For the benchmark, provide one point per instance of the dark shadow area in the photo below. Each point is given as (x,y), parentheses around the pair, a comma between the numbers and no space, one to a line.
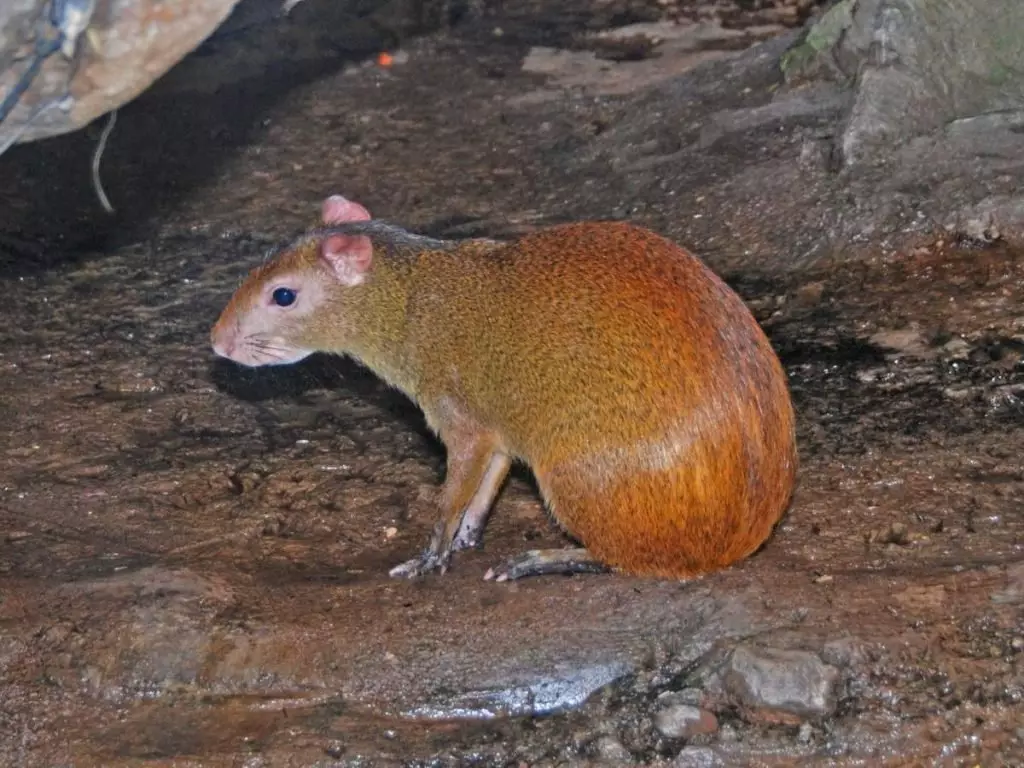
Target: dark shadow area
(851,352)
(852,396)
(278,572)
(106,554)
(186,128)
(320,371)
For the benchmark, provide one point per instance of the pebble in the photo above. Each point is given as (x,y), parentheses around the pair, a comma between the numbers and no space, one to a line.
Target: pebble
(843,652)
(610,750)
(809,294)
(698,757)
(683,721)
(781,685)
(805,734)
(692,696)
(727,734)
(901,341)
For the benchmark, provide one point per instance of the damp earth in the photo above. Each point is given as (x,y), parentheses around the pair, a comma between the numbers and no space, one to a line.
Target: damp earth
(194,557)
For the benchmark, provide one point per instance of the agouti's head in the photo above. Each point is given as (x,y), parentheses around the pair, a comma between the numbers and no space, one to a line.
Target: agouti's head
(270,318)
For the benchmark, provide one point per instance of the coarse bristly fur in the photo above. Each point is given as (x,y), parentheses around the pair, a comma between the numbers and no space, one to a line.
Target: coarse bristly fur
(636,385)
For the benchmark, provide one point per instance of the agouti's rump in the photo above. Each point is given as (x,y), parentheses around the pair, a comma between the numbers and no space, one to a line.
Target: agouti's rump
(634,383)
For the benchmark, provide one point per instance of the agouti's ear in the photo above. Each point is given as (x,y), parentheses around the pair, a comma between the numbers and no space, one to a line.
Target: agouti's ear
(349,257)
(337,210)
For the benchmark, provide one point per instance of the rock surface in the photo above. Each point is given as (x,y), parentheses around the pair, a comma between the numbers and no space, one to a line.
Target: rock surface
(612,751)
(954,59)
(772,684)
(783,684)
(126,47)
(682,721)
(918,66)
(699,757)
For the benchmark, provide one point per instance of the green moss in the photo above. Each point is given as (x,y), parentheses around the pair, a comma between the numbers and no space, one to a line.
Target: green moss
(830,27)
(822,36)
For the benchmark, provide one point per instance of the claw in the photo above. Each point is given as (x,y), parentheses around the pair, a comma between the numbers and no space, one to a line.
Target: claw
(463,541)
(538,562)
(420,566)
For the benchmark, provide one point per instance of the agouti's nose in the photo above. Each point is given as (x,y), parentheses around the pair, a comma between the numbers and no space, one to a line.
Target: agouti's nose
(223,341)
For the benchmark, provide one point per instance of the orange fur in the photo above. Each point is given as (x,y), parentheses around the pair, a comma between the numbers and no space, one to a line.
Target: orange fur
(635,384)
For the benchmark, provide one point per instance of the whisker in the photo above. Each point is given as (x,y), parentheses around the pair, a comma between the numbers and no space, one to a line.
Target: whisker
(268,348)
(262,342)
(266,354)
(264,349)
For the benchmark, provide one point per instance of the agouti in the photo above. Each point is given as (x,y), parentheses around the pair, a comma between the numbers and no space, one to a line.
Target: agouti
(635,384)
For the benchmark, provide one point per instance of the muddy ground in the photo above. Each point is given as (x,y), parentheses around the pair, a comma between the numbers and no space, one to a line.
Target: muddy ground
(193,558)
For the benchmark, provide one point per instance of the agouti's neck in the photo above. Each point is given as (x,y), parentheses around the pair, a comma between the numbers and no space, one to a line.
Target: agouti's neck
(377,313)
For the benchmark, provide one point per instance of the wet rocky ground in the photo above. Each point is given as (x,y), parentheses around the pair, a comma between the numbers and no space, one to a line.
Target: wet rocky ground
(193,557)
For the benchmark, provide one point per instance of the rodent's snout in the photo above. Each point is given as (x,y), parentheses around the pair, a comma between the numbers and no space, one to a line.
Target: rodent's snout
(222,339)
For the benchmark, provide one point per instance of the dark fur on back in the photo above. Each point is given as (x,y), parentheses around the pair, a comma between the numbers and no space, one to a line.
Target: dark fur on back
(382,233)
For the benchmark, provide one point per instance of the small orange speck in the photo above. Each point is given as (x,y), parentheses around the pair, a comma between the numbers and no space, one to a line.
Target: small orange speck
(385,59)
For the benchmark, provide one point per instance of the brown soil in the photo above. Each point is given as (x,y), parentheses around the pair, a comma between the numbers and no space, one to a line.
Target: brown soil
(193,558)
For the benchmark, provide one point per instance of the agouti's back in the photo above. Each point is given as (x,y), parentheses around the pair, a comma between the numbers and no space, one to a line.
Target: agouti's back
(634,382)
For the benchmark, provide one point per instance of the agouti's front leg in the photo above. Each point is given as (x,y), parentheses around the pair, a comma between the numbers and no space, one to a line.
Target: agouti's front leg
(476,470)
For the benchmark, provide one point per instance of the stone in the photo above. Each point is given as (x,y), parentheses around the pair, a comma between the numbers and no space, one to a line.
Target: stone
(820,39)
(1013,592)
(953,59)
(916,65)
(780,685)
(691,696)
(699,757)
(120,54)
(843,652)
(611,751)
(682,721)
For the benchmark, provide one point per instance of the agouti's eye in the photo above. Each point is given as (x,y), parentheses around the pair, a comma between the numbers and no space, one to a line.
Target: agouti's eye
(284,297)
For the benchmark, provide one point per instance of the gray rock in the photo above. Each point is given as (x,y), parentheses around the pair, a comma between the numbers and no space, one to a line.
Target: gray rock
(1014,591)
(820,100)
(781,685)
(922,64)
(843,652)
(917,66)
(727,734)
(698,757)
(805,734)
(682,721)
(544,695)
(127,46)
(610,750)
(691,696)
(160,631)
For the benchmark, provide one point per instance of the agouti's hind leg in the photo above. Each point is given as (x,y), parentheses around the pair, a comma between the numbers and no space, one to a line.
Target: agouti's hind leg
(475,473)
(541,562)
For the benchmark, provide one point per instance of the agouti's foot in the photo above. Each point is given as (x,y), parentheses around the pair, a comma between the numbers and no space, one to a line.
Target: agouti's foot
(420,566)
(435,557)
(540,562)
